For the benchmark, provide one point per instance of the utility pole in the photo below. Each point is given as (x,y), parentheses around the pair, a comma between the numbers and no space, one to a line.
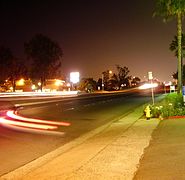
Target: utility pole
(102,82)
(150,77)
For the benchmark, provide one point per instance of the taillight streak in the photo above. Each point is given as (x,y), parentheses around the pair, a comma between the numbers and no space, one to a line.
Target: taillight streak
(25,124)
(12,115)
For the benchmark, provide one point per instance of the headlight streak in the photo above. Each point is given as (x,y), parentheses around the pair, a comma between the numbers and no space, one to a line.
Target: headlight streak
(148,86)
(58,93)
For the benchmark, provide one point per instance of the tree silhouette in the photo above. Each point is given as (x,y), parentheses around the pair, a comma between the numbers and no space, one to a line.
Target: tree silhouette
(45,55)
(12,68)
(123,75)
(87,84)
(6,58)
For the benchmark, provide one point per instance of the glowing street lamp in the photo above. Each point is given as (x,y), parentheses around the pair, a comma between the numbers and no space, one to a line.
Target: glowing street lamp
(110,72)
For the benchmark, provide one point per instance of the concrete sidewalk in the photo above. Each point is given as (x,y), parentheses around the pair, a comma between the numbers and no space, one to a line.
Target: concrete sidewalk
(112,152)
(164,159)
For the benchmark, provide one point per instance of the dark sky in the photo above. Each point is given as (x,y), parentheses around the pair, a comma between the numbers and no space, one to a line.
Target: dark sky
(95,35)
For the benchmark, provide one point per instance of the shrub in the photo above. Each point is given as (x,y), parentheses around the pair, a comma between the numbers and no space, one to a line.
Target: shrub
(172,105)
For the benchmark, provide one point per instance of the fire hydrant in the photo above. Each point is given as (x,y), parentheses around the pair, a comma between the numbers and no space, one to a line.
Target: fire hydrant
(147,112)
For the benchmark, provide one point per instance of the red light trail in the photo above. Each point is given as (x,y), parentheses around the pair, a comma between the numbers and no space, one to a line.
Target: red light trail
(25,124)
(19,121)
(13,114)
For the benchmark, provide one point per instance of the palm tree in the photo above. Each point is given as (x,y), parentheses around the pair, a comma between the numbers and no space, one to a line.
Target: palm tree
(174,46)
(173,9)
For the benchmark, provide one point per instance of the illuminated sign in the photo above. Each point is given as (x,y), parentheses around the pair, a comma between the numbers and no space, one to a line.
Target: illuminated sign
(74,77)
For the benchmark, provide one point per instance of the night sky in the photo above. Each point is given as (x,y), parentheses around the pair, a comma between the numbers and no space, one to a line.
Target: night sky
(95,35)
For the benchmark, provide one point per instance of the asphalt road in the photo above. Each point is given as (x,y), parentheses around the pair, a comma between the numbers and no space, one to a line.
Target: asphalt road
(85,113)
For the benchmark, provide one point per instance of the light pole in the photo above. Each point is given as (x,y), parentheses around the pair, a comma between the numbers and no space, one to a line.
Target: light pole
(150,77)
(102,85)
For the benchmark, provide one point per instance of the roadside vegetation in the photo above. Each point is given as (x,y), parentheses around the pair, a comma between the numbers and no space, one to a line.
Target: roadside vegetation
(171,105)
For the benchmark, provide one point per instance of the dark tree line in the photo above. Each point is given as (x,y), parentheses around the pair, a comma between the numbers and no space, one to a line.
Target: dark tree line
(43,61)
(116,81)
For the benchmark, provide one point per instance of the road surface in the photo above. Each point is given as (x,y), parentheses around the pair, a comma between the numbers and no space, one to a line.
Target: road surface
(85,113)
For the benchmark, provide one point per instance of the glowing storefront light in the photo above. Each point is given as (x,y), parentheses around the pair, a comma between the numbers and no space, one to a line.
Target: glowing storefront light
(20,82)
(58,82)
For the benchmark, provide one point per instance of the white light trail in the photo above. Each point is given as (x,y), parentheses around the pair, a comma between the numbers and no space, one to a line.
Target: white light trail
(58,93)
(148,86)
